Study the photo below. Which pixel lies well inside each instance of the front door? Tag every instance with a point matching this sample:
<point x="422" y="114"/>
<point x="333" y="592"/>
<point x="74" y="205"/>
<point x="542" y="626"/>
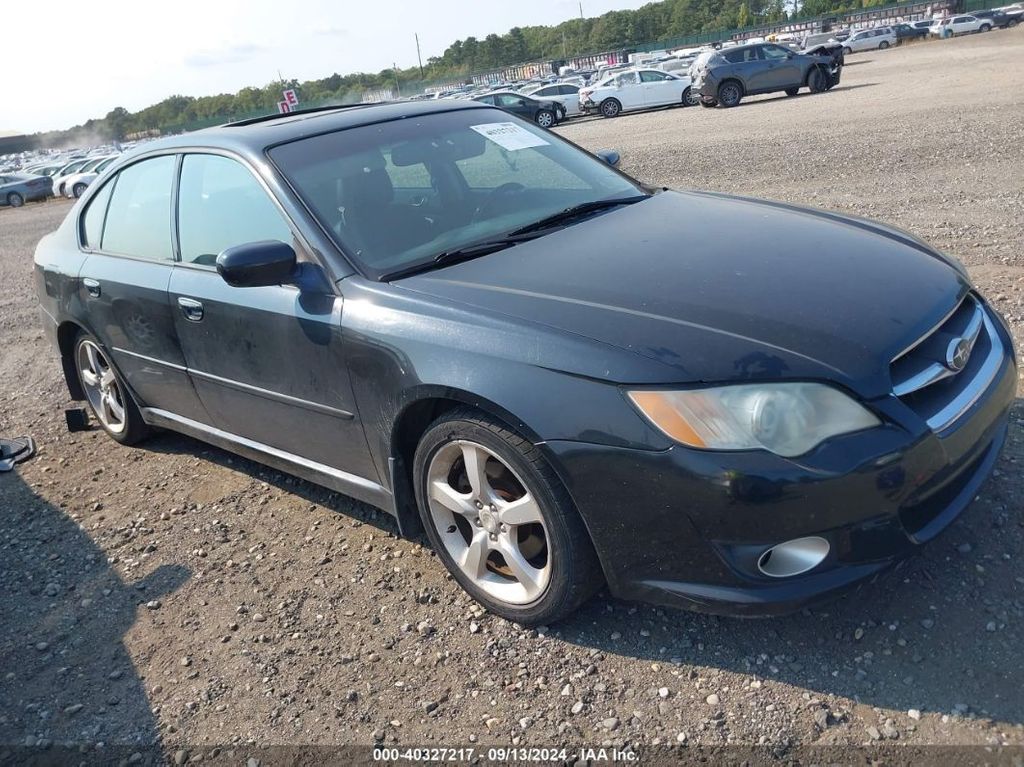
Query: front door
<point x="781" y="68"/>
<point x="659" y="89"/>
<point x="123" y="284"/>
<point x="268" y="362"/>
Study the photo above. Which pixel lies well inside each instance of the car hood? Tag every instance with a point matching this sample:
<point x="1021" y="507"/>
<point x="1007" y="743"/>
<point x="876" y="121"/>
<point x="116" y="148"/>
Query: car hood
<point x="719" y="288"/>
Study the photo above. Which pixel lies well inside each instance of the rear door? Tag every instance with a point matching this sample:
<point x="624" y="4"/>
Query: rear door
<point x="126" y="231"/>
<point x="268" y="362"/>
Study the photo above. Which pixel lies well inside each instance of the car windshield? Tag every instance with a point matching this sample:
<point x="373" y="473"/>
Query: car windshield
<point x="400" y="193"/>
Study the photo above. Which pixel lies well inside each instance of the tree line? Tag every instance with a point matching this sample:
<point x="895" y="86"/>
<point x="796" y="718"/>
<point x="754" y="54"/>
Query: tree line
<point x="613" y="30"/>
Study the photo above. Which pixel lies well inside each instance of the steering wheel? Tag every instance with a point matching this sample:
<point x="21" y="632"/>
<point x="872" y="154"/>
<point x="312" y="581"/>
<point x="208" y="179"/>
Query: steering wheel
<point x="495" y="196"/>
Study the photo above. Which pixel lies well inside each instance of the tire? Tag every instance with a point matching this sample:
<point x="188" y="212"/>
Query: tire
<point x="689" y="99"/>
<point x="610" y="108"/>
<point x="792" y="91"/>
<point x="545" y="118"/>
<point x="1012" y="23"/>
<point x="730" y="93"/>
<point x="847" y="51"/>
<point x="556" y="567"/>
<point x="15" y="200"/>
<point x="986" y="28"/>
<point x="109" y="399"/>
<point x="817" y="80"/>
<point x="78" y="190"/>
<point x="883" y="45"/>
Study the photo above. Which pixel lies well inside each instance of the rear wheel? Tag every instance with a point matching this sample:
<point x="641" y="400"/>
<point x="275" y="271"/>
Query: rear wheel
<point x="545" y="118"/>
<point x="78" y="190"/>
<point x="729" y="93"/>
<point x="847" y="51"/>
<point x="611" y="108"/>
<point x="15" y="200"/>
<point x="690" y="98"/>
<point x="883" y="45"/>
<point x="985" y="27"/>
<point x="501" y="521"/>
<point x="106" y="394"/>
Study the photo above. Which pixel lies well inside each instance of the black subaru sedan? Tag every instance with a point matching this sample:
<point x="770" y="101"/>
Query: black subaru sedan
<point x="565" y="377"/>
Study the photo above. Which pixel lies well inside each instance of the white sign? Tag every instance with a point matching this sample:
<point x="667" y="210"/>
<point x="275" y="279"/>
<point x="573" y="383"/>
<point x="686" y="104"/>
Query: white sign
<point x="283" y="107"/>
<point x="290" y="97"/>
<point x="509" y="135"/>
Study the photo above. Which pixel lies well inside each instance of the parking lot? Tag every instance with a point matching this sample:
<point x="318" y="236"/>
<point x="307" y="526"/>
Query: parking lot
<point x="174" y="593"/>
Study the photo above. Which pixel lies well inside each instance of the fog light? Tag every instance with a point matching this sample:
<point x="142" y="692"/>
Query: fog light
<point x="793" y="557"/>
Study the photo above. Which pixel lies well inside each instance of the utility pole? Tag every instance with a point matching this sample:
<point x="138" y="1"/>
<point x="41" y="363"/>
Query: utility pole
<point x="418" y="57"/>
<point x="398" y="87"/>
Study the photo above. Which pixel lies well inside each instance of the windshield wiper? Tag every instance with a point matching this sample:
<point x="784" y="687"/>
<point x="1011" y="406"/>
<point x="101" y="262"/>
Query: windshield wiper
<point x="465" y="253"/>
<point x="577" y="210"/>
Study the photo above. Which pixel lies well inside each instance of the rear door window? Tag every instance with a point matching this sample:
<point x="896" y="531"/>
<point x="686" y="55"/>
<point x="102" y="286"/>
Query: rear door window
<point x="138" y="219"/>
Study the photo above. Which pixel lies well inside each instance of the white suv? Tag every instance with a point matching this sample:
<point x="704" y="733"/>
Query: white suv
<point x="960" y="25"/>
<point x="869" y="39"/>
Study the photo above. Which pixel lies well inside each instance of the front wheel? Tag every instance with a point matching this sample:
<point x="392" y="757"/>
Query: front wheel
<point x="78" y="190"/>
<point x="817" y="80"/>
<point x="729" y="94"/>
<point x="15" y="200"/>
<point x="985" y="27"/>
<point x="610" y="108"/>
<point x="501" y="521"/>
<point x="690" y="98"/>
<point x="708" y="104"/>
<point x="545" y="118"/>
<point x="847" y="51"/>
<point x="106" y="393"/>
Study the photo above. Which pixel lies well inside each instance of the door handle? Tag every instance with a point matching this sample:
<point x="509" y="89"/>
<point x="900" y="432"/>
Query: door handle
<point x="192" y="309"/>
<point x="92" y="287"/>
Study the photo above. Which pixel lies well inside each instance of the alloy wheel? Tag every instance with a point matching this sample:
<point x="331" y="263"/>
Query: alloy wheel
<point x="101" y="387"/>
<point x="489" y="522"/>
<point x="545" y="119"/>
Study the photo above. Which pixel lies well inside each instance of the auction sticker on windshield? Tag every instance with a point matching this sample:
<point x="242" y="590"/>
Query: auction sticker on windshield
<point x="509" y="135"/>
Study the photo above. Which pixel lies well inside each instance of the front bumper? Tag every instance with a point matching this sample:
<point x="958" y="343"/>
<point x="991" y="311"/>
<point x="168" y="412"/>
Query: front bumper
<point x="685" y="528"/>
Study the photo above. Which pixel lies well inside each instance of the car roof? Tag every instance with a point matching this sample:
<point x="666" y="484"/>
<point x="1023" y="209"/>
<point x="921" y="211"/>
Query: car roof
<point x="255" y="135"/>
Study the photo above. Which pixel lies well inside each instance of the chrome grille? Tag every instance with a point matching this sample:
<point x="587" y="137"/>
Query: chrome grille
<point x="944" y="373"/>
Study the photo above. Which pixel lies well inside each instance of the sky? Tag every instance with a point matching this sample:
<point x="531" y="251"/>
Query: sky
<point x="81" y="58"/>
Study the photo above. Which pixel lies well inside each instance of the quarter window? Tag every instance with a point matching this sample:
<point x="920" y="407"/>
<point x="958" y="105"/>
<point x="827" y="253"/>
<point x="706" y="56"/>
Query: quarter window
<point x="138" y="219"/>
<point x="92" y="221"/>
<point x="221" y="204"/>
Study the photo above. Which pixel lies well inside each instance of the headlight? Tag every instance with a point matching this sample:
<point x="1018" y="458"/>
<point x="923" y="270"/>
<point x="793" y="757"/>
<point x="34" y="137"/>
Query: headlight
<point x="787" y="419"/>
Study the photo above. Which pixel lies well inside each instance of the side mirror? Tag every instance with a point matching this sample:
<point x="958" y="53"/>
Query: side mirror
<point x="610" y="156"/>
<point x="257" y="264"/>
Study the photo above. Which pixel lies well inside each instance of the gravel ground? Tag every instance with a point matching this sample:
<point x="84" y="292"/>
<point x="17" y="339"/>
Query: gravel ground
<point x="175" y="594"/>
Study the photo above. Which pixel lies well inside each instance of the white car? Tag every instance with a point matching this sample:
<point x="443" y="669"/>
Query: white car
<point x="637" y="89"/>
<point x="960" y="25"/>
<point x="566" y="94"/>
<point x="878" y="38"/>
<point x="75" y="184"/>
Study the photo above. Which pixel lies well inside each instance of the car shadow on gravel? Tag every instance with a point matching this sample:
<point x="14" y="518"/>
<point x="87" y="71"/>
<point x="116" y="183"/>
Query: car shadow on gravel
<point x="68" y="679"/>
<point x="939" y="633"/>
<point x="179" y="444"/>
